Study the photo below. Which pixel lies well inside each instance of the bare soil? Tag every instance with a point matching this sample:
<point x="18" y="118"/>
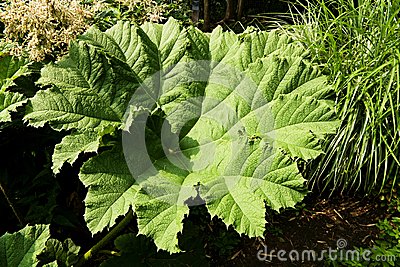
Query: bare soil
<point x="321" y="224"/>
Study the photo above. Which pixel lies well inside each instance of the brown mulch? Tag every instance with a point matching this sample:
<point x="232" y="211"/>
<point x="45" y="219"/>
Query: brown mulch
<point x="318" y="226"/>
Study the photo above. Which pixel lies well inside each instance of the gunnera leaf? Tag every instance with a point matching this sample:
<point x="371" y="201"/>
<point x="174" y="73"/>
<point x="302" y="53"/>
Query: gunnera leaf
<point x="73" y="145"/>
<point x="112" y="188"/>
<point x="9" y="102"/>
<point x="11" y="68"/>
<point x="216" y="118"/>
<point x="62" y="254"/>
<point x="21" y="248"/>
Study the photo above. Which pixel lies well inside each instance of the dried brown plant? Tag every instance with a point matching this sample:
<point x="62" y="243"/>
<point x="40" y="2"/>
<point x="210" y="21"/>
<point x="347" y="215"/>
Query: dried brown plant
<point x="44" y="27"/>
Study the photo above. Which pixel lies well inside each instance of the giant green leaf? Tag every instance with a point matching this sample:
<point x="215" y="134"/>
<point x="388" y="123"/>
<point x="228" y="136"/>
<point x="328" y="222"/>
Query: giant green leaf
<point x="160" y="205"/>
<point x="21" y="248"/>
<point x="153" y="52"/>
<point x="60" y="254"/>
<point x="9" y="102"/>
<point x="212" y="118"/>
<point x="244" y="143"/>
<point x="85" y="95"/>
<point x="112" y="189"/>
<point x="11" y="68"/>
<point x="72" y="146"/>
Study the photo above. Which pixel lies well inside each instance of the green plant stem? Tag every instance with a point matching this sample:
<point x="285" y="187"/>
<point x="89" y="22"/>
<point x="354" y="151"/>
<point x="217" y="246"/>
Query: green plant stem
<point x="11" y="205"/>
<point x="109" y="252"/>
<point x="110" y="236"/>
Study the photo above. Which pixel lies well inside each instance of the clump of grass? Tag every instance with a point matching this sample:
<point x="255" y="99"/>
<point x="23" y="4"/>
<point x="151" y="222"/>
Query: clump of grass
<point x="358" y="45"/>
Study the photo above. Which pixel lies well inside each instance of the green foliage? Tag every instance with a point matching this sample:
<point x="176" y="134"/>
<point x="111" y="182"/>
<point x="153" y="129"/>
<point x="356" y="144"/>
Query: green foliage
<point x="140" y="251"/>
<point x="63" y="253"/>
<point x="21" y="248"/>
<point x="9" y="102"/>
<point x="224" y="242"/>
<point x="11" y="68"/>
<point x="110" y="11"/>
<point x="27" y="186"/>
<point x="357" y="42"/>
<point x="179" y="10"/>
<point x="389" y="198"/>
<point x="90" y="93"/>
<point x="71" y="146"/>
<point x="32" y="244"/>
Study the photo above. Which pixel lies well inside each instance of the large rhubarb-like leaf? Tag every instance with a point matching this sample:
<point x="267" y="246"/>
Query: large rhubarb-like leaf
<point x="216" y="118"/>
<point x="61" y="254"/>
<point x="112" y="189"/>
<point x="73" y="145"/>
<point x="21" y="248"/>
<point x="9" y="102"/>
<point x="11" y="68"/>
<point x="89" y="92"/>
